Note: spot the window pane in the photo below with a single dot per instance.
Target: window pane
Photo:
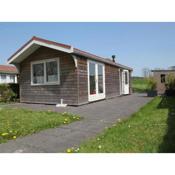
(3, 77)
(126, 77)
(38, 73)
(51, 71)
(12, 78)
(92, 78)
(162, 78)
(100, 78)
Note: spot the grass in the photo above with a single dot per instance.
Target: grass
(20, 122)
(150, 130)
(139, 84)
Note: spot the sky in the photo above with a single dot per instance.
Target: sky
(137, 45)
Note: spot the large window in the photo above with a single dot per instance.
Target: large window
(45, 72)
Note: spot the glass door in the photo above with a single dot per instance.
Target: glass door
(96, 81)
(125, 82)
(92, 78)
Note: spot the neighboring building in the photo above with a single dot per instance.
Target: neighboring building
(160, 77)
(8, 74)
(51, 71)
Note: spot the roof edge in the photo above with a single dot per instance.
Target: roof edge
(62, 47)
(37, 40)
(163, 70)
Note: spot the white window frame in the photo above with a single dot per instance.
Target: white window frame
(97, 96)
(44, 62)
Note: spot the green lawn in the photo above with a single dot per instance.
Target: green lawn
(20, 122)
(139, 84)
(151, 129)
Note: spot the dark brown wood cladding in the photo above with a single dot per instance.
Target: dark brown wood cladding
(112, 81)
(82, 80)
(49, 94)
(73, 88)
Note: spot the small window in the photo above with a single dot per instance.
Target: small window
(126, 77)
(162, 77)
(45, 72)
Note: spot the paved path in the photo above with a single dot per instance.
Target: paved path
(97, 116)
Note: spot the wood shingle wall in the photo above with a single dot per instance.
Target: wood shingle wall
(49, 94)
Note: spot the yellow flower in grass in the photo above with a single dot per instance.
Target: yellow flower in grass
(4, 134)
(98, 139)
(99, 146)
(69, 150)
(65, 119)
(14, 137)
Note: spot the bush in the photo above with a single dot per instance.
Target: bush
(152, 84)
(6, 93)
(170, 85)
(170, 82)
(15, 88)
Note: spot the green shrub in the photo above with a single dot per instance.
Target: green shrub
(152, 84)
(15, 88)
(170, 82)
(6, 93)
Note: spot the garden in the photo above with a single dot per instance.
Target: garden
(17, 122)
(20, 122)
(150, 130)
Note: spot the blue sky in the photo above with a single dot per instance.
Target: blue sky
(137, 45)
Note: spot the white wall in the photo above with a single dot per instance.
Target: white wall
(8, 78)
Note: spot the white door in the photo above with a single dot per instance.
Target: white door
(125, 82)
(96, 81)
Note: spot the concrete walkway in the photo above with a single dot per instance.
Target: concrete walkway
(96, 116)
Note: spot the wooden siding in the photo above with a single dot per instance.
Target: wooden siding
(112, 81)
(49, 94)
(73, 88)
(82, 80)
